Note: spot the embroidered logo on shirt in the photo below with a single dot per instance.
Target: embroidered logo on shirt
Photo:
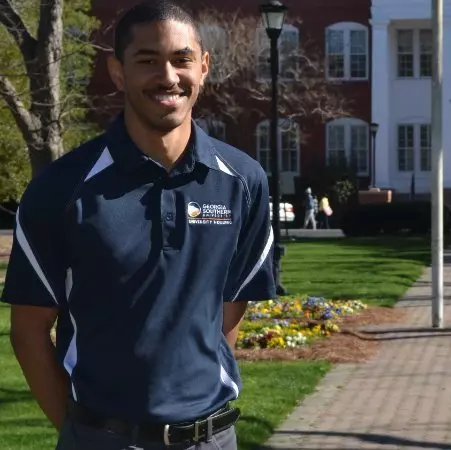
(208, 214)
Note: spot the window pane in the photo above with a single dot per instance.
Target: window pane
(425, 53)
(263, 60)
(358, 42)
(405, 41)
(288, 48)
(335, 53)
(426, 41)
(264, 153)
(336, 66)
(405, 65)
(359, 147)
(289, 147)
(263, 134)
(335, 41)
(425, 148)
(336, 139)
(405, 148)
(405, 53)
(358, 66)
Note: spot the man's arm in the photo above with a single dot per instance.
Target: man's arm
(33, 347)
(233, 315)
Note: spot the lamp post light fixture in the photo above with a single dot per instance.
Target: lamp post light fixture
(373, 127)
(273, 16)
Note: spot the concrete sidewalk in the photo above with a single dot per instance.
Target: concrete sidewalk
(401, 399)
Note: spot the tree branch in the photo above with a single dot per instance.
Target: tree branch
(21, 115)
(18, 30)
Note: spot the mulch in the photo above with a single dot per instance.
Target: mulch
(347, 346)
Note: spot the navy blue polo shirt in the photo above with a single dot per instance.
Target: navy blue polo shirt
(139, 262)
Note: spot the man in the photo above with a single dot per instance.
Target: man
(146, 243)
(309, 209)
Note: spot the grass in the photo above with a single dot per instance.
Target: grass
(375, 270)
(264, 404)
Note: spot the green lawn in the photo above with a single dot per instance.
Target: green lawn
(374, 270)
(264, 403)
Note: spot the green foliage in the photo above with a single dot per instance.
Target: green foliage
(77, 64)
(76, 69)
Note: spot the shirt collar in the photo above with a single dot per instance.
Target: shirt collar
(125, 152)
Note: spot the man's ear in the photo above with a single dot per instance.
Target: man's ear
(116, 72)
(205, 67)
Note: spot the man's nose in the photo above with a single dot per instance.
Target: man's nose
(168, 74)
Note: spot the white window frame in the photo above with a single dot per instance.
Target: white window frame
(218, 124)
(416, 54)
(348, 123)
(283, 124)
(263, 45)
(346, 28)
(214, 49)
(417, 148)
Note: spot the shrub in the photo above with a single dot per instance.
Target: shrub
(391, 218)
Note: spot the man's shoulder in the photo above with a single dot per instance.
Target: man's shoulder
(58, 181)
(240, 163)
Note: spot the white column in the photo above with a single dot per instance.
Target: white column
(380, 99)
(446, 89)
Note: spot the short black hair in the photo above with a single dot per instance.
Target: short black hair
(146, 12)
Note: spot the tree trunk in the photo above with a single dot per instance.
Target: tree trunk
(41, 155)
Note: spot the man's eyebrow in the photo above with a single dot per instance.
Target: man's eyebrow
(184, 51)
(150, 52)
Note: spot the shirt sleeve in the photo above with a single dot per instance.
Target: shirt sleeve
(36, 273)
(250, 276)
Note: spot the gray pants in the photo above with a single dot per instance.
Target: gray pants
(75, 436)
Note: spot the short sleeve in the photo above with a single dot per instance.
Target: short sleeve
(36, 273)
(250, 276)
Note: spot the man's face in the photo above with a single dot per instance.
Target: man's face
(161, 74)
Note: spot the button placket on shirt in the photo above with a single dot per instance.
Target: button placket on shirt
(168, 216)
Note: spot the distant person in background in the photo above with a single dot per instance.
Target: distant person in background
(325, 211)
(309, 209)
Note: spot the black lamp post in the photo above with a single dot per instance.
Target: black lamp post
(273, 15)
(373, 127)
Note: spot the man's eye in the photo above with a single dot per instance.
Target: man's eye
(146, 61)
(183, 60)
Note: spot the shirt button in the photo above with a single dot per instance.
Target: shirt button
(169, 216)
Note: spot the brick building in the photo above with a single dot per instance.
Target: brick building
(341, 30)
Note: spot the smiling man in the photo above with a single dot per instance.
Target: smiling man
(146, 244)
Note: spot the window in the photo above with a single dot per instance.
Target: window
(425, 53)
(413, 140)
(347, 51)
(347, 143)
(214, 128)
(406, 149)
(414, 53)
(214, 39)
(288, 136)
(425, 148)
(288, 53)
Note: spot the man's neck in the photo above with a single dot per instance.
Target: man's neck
(164, 148)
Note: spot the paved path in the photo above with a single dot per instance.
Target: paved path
(400, 400)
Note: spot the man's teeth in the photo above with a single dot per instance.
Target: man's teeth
(167, 98)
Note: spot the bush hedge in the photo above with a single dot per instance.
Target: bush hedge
(391, 218)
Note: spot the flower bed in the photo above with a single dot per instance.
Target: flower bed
(292, 322)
